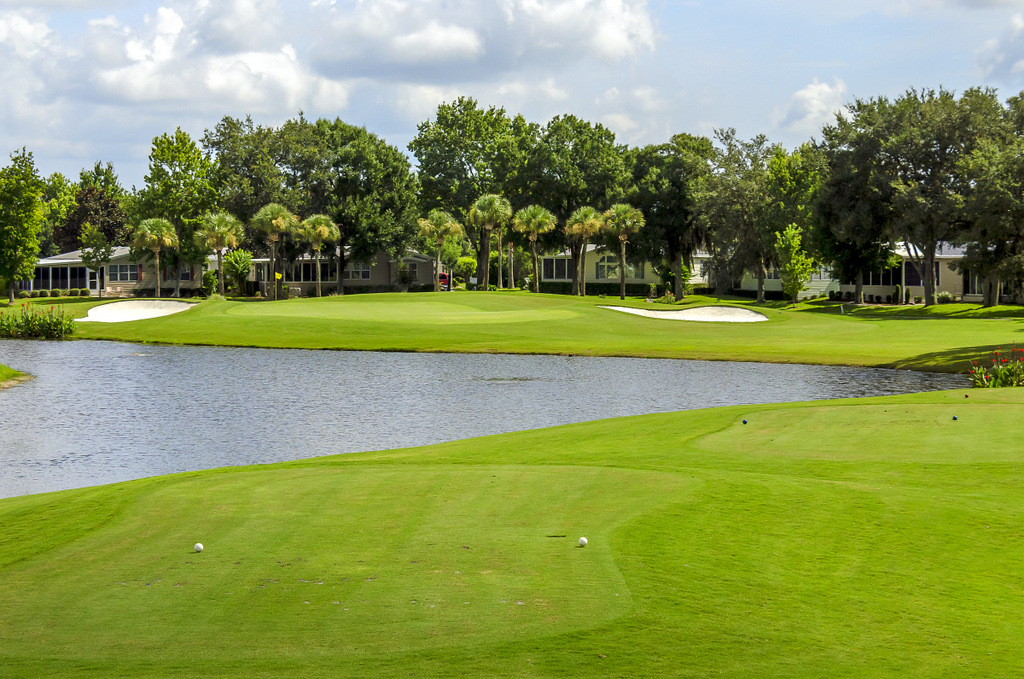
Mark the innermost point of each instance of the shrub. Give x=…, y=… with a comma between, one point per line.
x=44, y=293
x=943, y=297
x=73, y=292
x=84, y=292
x=209, y=282
x=897, y=295
x=23, y=294
x=917, y=299
x=31, y=322
x=1007, y=370
x=888, y=299
x=35, y=293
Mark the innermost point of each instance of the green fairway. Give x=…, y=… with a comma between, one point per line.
x=868, y=538
x=935, y=339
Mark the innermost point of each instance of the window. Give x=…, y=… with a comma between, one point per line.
x=123, y=273
x=357, y=271
x=185, y=273
x=414, y=271
x=608, y=267
x=557, y=269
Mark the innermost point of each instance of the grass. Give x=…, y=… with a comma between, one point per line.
x=861, y=538
x=943, y=338
x=8, y=373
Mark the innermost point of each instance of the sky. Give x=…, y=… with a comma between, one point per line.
x=97, y=80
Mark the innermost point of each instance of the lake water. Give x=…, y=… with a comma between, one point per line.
x=99, y=412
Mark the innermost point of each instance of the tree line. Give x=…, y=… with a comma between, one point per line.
x=919, y=170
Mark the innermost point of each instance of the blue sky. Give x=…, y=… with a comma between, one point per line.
x=89, y=80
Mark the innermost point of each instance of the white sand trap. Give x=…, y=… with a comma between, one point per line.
x=706, y=314
x=134, y=310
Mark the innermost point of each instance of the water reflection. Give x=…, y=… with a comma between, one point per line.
x=101, y=412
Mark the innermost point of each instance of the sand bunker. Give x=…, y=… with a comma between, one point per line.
x=707, y=314
x=134, y=310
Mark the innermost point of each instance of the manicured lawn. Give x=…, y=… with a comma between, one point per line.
x=870, y=538
x=941, y=338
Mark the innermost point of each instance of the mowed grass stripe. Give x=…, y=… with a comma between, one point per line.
x=785, y=547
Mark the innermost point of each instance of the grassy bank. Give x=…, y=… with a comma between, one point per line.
x=870, y=538
x=940, y=338
x=7, y=373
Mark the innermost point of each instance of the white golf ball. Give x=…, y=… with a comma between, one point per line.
x=583, y=542
x=198, y=547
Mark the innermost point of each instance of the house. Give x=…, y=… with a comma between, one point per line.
x=880, y=285
x=602, y=268
x=380, y=274
x=122, y=276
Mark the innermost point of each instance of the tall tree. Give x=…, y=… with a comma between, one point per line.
x=317, y=230
x=220, y=230
x=930, y=132
x=854, y=215
x=740, y=239
x=97, y=206
x=533, y=221
x=436, y=228
x=467, y=151
x=489, y=211
x=576, y=163
x=621, y=221
x=156, y=235
x=668, y=179
x=21, y=215
x=582, y=225
x=179, y=188
x=994, y=211
x=96, y=252
x=58, y=200
x=275, y=220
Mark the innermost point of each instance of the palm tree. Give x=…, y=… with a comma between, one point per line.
x=274, y=220
x=317, y=230
x=621, y=222
x=220, y=230
x=155, y=235
x=488, y=211
x=584, y=224
x=436, y=227
x=533, y=221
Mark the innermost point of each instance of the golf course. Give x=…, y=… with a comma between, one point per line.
x=942, y=338
x=877, y=537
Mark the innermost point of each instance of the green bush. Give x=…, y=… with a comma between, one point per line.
x=34, y=322
x=44, y=293
x=35, y=293
x=943, y=297
x=72, y=292
x=209, y=282
x=24, y=294
x=84, y=292
x=897, y=295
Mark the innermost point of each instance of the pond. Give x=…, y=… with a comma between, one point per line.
x=100, y=412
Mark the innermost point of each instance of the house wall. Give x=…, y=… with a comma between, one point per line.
x=949, y=280
x=73, y=274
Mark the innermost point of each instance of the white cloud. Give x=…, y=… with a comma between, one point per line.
x=436, y=43
x=613, y=29
x=1002, y=58
x=813, y=106
x=24, y=34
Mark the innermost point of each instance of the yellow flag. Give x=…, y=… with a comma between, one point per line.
x=278, y=276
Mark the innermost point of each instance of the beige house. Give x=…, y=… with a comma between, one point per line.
x=878, y=285
x=122, y=276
